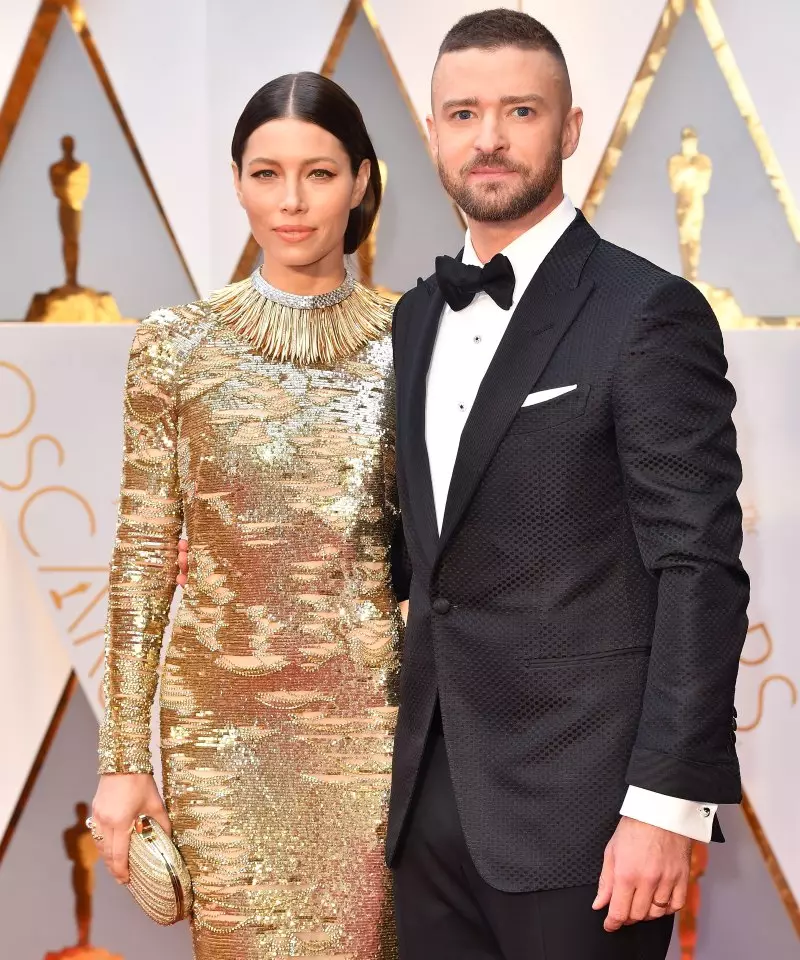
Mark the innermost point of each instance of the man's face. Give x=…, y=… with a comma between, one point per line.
x=501, y=125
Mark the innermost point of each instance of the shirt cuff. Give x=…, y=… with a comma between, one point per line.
x=685, y=817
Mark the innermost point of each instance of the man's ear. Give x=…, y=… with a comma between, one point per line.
x=571, y=132
x=430, y=123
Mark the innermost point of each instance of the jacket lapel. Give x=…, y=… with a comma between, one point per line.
x=551, y=302
x=417, y=466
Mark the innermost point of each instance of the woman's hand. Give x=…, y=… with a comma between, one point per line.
x=183, y=563
x=120, y=799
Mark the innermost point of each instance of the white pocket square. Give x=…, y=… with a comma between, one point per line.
x=540, y=396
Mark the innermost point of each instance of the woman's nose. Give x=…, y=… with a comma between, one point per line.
x=293, y=200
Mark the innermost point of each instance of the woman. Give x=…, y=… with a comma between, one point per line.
x=263, y=417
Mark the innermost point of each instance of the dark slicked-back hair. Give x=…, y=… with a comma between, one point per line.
x=493, y=29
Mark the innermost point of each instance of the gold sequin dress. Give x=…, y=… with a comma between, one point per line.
x=265, y=422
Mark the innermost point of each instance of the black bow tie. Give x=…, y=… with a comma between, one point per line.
x=459, y=282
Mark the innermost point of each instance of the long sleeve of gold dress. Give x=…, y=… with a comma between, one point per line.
x=267, y=422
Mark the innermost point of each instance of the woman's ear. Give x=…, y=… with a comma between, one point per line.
x=361, y=183
x=237, y=182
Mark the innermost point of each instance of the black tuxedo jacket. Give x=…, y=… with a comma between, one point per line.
x=581, y=615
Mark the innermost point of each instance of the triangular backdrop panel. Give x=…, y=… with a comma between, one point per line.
x=17, y=17
x=747, y=244
x=603, y=45
x=418, y=222
x=125, y=245
x=763, y=39
x=156, y=55
x=36, y=873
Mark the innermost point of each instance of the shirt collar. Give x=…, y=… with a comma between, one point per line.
x=529, y=250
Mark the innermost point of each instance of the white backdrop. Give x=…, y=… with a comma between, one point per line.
x=35, y=669
x=764, y=368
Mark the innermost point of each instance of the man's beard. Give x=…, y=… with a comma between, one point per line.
x=494, y=202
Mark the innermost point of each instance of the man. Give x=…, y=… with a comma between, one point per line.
x=568, y=472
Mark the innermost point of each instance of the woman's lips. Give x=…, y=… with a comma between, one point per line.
x=292, y=234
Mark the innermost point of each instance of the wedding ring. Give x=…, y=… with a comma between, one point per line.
x=661, y=906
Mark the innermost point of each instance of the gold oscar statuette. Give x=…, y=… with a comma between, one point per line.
x=72, y=303
x=83, y=853
x=690, y=179
x=368, y=250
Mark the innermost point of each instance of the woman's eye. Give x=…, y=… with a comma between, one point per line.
x=320, y=174
x=264, y=174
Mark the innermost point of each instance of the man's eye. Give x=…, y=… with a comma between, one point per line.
x=463, y=114
x=524, y=112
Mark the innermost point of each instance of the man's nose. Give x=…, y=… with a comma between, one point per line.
x=491, y=135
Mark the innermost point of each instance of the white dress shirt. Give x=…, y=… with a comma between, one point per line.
x=465, y=345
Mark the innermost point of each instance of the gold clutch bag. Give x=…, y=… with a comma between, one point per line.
x=159, y=880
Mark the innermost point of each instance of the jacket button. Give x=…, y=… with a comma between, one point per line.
x=441, y=606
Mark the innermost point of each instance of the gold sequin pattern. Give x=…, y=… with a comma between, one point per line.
x=277, y=702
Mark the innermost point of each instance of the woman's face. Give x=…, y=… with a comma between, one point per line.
x=297, y=188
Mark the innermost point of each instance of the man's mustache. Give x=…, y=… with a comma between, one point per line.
x=493, y=160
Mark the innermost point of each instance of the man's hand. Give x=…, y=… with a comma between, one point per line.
x=643, y=866
x=183, y=563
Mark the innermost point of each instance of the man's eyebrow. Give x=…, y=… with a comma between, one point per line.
x=463, y=102
x=521, y=99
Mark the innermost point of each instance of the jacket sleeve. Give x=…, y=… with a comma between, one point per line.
x=677, y=446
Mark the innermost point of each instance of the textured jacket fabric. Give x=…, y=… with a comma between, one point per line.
x=581, y=615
